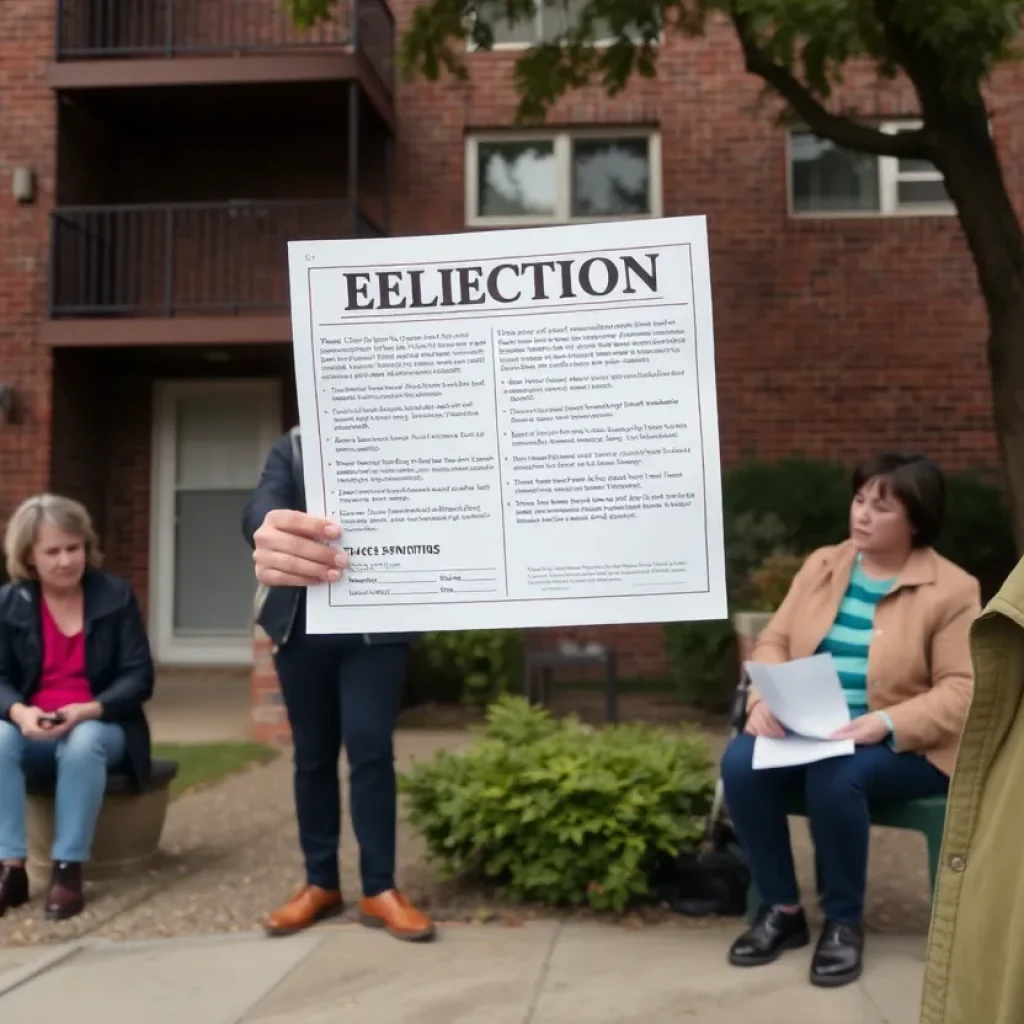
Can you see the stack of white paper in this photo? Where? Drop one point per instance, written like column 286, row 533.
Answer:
column 806, row 697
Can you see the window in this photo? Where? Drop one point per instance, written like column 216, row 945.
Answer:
column 827, row 179
column 556, row 177
column 549, row 22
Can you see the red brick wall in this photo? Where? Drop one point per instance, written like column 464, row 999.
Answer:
column 833, row 336
column 26, row 140
column 103, row 423
column 79, row 458
column 268, row 717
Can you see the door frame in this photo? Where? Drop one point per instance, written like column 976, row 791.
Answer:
column 167, row 648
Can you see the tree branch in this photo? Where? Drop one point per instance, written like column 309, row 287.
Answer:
column 840, row 130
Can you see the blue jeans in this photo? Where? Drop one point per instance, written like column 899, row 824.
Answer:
column 836, row 793
column 81, row 759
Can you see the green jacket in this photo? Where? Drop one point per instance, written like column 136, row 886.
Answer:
column 975, row 970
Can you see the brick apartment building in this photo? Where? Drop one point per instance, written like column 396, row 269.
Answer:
column 156, row 155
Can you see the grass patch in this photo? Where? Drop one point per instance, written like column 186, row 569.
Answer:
column 200, row 764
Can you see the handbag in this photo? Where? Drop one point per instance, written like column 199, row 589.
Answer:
column 714, row 878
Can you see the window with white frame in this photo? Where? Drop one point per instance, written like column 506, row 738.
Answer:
column 549, row 21
column 558, row 177
column 826, row 179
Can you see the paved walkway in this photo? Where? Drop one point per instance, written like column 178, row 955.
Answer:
column 540, row 973
column 200, row 706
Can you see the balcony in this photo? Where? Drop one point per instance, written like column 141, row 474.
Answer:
column 108, row 44
column 191, row 271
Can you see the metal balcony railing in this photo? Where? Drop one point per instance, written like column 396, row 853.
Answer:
column 185, row 259
column 107, row 29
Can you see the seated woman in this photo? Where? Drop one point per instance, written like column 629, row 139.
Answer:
column 75, row 670
column 895, row 617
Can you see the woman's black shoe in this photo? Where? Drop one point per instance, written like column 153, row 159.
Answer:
column 771, row 935
column 839, row 956
column 13, row 887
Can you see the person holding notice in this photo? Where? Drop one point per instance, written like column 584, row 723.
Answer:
column 895, row 616
column 339, row 690
column 75, row 671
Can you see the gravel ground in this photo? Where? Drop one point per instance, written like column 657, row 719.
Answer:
column 230, row 853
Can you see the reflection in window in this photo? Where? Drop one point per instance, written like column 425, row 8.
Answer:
column 926, row 192
column 516, row 179
column 523, row 32
column 564, row 16
column 826, row 177
column 549, row 21
column 610, row 177
column 555, row 177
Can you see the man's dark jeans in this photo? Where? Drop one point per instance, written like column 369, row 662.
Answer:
column 339, row 690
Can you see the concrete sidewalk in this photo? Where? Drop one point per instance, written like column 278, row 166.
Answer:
column 540, row 973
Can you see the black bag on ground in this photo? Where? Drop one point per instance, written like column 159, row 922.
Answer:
column 712, row 880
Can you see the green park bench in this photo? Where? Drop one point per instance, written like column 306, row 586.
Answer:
column 926, row 816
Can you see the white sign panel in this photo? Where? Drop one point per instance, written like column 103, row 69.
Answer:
column 513, row 428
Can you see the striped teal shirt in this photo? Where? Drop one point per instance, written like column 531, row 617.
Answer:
column 849, row 639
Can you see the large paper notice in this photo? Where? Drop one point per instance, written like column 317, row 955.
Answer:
column 806, row 697
column 513, row 428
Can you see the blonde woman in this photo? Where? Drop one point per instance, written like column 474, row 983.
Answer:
column 75, row 670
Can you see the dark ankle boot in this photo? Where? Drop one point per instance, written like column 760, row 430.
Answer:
column 839, row 956
column 772, row 933
column 13, row 887
column 65, row 898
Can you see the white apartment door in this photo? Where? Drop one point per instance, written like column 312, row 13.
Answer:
column 211, row 439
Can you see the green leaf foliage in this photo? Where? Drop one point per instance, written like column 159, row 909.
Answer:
column 556, row 812
column 794, row 506
column 476, row 665
column 307, row 13
column 960, row 40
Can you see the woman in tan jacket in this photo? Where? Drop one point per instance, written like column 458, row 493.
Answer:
column 895, row 617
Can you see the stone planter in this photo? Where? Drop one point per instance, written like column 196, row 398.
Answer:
column 128, row 830
column 748, row 627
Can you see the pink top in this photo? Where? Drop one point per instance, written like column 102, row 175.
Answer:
column 63, row 680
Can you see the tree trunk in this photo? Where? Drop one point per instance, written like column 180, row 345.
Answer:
column 967, row 156
column 1006, row 365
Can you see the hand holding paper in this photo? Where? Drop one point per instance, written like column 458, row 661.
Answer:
column 866, row 730
column 761, row 722
column 807, row 698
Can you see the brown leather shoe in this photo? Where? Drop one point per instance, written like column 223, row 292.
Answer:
column 65, row 898
column 309, row 905
column 13, row 887
column 391, row 911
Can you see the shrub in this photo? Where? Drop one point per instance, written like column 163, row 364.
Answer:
column 425, row 684
column 556, row 812
column 473, row 666
column 703, row 659
column 768, row 584
column 750, row 538
column 778, row 510
column 703, row 656
column 809, row 497
column 978, row 534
